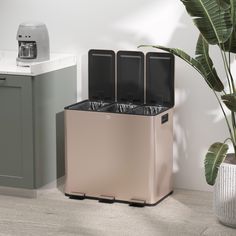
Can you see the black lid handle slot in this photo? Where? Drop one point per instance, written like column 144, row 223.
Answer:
column 164, row 118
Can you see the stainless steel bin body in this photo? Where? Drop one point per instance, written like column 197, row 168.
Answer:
column 121, row 156
column 119, row 143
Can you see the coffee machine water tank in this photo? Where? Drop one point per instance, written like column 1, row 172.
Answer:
column 33, row 43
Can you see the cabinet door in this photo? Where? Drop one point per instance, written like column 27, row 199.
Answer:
column 16, row 132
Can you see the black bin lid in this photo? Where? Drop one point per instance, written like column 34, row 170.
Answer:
column 101, row 73
column 130, row 76
column 160, row 79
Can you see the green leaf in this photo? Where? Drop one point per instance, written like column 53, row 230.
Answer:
column 224, row 3
column 193, row 62
column 214, row 157
column 230, row 101
column 230, row 44
column 213, row 21
column 202, row 56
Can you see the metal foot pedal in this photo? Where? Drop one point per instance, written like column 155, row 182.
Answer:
column 106, row 199
column 78, row 195
column 137, row 202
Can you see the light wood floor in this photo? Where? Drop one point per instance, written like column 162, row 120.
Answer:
column 183, row 213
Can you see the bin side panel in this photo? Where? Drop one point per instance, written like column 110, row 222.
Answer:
column 163, row 149
column 109, row 154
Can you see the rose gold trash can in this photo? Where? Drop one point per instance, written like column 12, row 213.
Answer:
column 122, row 148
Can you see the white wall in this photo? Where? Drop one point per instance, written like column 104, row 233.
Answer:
column 78, row 25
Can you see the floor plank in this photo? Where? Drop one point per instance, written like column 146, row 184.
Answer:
column 183, row 213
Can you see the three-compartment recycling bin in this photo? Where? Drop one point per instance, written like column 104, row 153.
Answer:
column 119, row 142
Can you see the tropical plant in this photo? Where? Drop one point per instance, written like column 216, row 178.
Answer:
column 216, row 22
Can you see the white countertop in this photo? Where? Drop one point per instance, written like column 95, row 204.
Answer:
column 56, row 62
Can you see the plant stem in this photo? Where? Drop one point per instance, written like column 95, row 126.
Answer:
column 231, row 89
column 226, row 119
column 227, row 140
column 234, row 131
column 234, row 151
column 226, row 66
column 228, row 71
column 232, row 113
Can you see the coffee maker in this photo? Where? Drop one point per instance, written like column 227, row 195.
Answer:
column 33, row 43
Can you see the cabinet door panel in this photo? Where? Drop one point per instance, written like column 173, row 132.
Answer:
column 16, row 132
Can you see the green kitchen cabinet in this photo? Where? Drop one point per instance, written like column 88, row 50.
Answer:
column 32, row 126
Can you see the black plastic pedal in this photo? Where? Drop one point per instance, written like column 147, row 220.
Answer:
column 137, row 203
column 107, row 199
